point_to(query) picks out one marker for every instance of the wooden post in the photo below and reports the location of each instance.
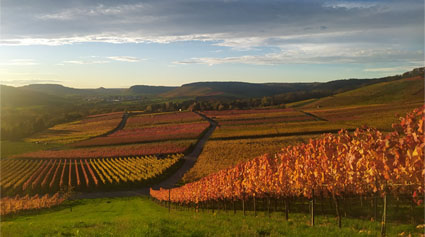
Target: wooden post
(275, 205)
(255, 208)
(268, 206)
(384, 217)
(169, 200)
(412, 212)
(375, 206)
(338, 213)
(286, 209)
(344, 203)
(312, 208)
(243, 206)
(234, 207)
(212, 206)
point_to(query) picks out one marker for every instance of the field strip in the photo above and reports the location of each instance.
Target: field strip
(171, 181)
(281, 134)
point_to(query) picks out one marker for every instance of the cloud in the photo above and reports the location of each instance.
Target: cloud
(291, 27)
(26, 82)
(350, 5)
(171, 20)
(19, 62)
(99, 10)
(313, 54)
(82, 62)
(125, 59)
(392, 69)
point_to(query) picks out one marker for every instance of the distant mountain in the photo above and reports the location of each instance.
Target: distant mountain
(247, 90)
(18, 97)
(233, 89)
(153, 90)
(287, 92)
(59, 90)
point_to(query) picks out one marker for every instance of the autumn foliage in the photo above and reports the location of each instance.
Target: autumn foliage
(15, 204)
(365, 162)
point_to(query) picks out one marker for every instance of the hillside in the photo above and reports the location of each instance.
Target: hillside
(288, 92)
(152, 90)
(403, 90)
(59, 90)
(283, 90)
(18, 97)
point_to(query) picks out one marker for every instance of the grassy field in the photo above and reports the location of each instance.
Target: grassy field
(138, 216)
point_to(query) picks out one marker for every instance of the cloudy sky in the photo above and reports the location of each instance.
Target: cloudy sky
(89, 44)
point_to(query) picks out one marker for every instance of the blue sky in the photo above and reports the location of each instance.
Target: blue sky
(89, 44)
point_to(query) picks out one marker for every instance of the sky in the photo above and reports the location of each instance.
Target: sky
(117, 44)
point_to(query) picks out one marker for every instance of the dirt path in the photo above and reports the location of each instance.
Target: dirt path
(189, 161)
(119, 127)
(313, 115)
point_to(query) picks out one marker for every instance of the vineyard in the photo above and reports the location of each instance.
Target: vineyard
(79, 130)
(154, 148)
(161, 118)
(235, 124)
(366, 163)
(9, 205)
(149, 134)
(376, 116)
(218, 154)
(30, 176)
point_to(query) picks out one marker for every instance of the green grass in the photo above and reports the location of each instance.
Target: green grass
(9, 148)
(138, 216)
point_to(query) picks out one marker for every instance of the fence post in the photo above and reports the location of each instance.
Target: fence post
(169, 200)
(375, 206)
(286, 208)
(312, 208)
(412, 212)
(255, 208)
(384, 217)
(268, 206)
(338, 213)
(243, 206)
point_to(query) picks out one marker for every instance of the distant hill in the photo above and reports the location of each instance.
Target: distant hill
(59, 90)
(286, 92)
(232, 89)
(248, 90)
(153, 90)
(18, 97)
(407, 89)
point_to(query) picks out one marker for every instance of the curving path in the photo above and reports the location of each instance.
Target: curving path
(171, 181)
